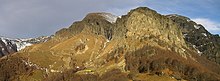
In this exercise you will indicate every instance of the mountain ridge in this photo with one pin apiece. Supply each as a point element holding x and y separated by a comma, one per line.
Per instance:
<point>10,45</point>
<point>142,45</point>
<point>199,38</point>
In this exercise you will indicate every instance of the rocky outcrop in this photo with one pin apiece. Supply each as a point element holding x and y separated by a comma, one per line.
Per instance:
<point>6,47</point>
<point>95,23</point>
<point>147,25</point>
<point>205,43</point>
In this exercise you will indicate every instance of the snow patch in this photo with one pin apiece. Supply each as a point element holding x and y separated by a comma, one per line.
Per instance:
<point>185,35</point>
<point>173,15</point>
<point>204,34</point>
<point>194,46</point>
<point>109,17</point>
<point>199,52</point>
<point>119,16</point>
<point>188,20</point>
<point>26,39</point>
<point>22,45</point>
<point>196,26</point>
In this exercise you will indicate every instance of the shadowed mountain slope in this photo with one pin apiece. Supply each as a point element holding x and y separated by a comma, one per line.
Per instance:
<point>205,43</point>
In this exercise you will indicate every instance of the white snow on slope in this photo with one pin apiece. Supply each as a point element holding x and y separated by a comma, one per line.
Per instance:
<point>26,39</point>
<point>4,41</point>
<point>109,17</point>
<point>19,43</point>
<point>22,45</point>
<point>204,34</point>
<point>196,26</point>
<point>199,52</point>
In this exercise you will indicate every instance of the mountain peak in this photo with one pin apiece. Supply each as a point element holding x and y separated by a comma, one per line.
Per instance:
<point>102,15</point>
<point>143,10</point>
<point>145,23</point>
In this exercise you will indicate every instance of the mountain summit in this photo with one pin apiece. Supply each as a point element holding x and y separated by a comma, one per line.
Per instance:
<point>142,45</point>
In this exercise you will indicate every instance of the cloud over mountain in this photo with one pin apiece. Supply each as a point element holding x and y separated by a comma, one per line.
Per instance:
<point>210,25</point>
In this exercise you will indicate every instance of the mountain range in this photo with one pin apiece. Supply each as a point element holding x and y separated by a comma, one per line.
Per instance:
<point>142,45</point>
<point>10,45</point>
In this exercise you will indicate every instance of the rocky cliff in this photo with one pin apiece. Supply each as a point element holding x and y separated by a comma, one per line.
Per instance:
<point>142,45</point>
<point>6,47</point>
<point>205,43</point>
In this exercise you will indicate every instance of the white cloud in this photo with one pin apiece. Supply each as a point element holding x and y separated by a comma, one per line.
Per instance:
<point>212,26</point>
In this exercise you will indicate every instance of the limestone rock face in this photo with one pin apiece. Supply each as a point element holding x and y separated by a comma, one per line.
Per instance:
<point>146,24</point>
<point>142,45</point>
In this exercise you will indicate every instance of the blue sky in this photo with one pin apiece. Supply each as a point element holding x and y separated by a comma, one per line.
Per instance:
<point>33,18</point>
